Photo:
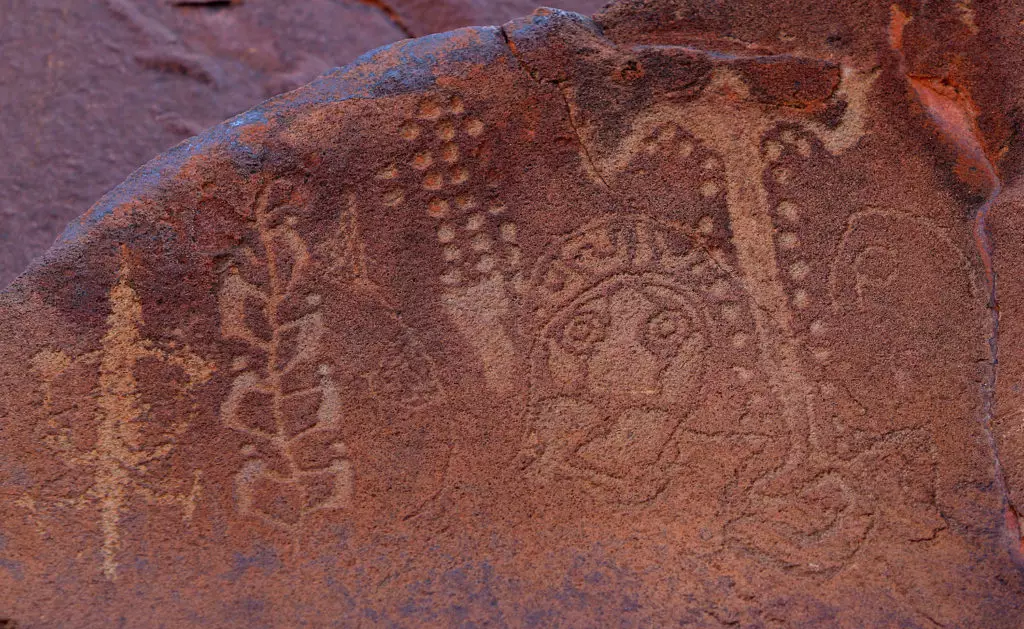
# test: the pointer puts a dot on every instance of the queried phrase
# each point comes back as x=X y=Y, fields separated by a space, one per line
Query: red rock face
x=680 y=315
x=93 y=89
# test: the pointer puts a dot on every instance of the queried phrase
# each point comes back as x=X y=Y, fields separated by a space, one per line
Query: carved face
x=622 y=363
x=632 y=340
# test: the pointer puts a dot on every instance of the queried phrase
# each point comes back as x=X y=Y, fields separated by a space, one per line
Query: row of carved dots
x=788 y=216
x=435 y=130
x=466 y=232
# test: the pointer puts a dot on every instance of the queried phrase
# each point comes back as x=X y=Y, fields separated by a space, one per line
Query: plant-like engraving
x=283 y=397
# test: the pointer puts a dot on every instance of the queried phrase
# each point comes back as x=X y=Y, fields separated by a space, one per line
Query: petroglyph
x=663 y=319
x=636 y=320
x=477 y=238
x=284 y=397
x=121 y=454
x=735 y=126
x=406 y=375
x=346 y=253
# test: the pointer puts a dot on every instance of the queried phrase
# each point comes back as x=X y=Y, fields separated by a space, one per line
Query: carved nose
x=631 y=371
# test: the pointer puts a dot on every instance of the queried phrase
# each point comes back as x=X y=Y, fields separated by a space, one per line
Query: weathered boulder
x=686 y=314
x=93 y=89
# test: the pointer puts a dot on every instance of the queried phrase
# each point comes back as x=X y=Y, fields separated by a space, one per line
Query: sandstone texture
x=94 y=89
x=687 y=314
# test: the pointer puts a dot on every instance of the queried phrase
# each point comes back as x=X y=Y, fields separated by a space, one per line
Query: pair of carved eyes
x=663 y=333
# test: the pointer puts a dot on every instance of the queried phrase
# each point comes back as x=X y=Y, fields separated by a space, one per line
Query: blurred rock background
x=92 y=89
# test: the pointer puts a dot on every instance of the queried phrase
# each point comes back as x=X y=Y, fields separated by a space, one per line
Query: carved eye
x=875 y=264
x=666 y=331
x=587 y=327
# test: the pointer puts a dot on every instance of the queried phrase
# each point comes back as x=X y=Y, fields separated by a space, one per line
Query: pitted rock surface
x=94 y=89
x=687 y=314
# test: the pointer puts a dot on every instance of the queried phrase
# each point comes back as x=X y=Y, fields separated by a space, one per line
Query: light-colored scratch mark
x=119 y=456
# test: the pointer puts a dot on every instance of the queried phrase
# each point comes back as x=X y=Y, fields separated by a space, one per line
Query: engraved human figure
x=126 y=447
x=631 y=350
x=621 y=367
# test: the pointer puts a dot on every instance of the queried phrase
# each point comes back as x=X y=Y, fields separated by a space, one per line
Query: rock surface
x=683 y=315
x=93 y=89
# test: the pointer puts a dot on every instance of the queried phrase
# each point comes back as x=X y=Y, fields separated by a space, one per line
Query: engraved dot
x=730 y=312
x=515 y=256
x=393 y=198
x=446 y=131
x=799 y=270
x=496 y=209
x=706 y=225
x=474 y=127
x=459 y=175
x=817 y=328
x=452 y=278
x=248 y=450
x=451 y=254
x=438 y=208
x=313 y=300
x=801 y=299
x=781 y=175
x=429 y=110
x=388 y=173
x=457 y=105
x=788 y=210
x=482 y=242
x=708 y=189
x=508 y=232
x=821 y=355
x=743 y=374
x=450 y=153
x=240 y=363
x=803 y=147
x=711 y=164
x=324 y=369
x=410 y=131
x=422 y=161
x=445 y=233
x=772 y=150
x=292 y=221
x=465 y=201
x=433 y=181
x=685 y=149
x=486 y=264
x=475 y=222
x=740 y=340
x=788 y=240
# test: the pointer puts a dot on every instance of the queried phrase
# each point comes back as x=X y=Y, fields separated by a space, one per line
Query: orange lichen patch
x=254 y=133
